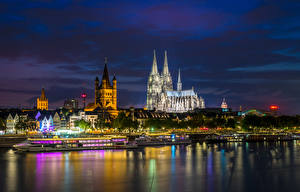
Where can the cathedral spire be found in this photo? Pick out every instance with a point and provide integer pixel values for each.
(166, 68)
(154, 66)
(179, 84)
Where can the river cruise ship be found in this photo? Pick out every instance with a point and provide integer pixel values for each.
(73, 144)
(162, 139)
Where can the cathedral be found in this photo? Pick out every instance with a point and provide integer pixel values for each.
(105, 94)
(162, 97)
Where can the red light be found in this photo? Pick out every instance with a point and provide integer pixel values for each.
(83, 95)
(274, 107)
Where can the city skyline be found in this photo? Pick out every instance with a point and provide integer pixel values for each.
(248, 54)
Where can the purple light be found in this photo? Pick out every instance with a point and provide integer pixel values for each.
(37, 116)
(118, 140)
(46, 142)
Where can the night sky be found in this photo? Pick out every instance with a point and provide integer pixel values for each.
(247, 51)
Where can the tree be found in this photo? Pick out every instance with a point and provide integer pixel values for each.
(210, 123)
(230, 123)
(82, 124)
(100, 123)
(197, 121)
(2, 124)
(123, 122)
(154, 124)
(220, 122)
(250, 122)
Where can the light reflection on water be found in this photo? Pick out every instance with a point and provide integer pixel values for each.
(197, 167)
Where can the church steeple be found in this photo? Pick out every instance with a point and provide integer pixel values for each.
(105, 76)
(166, 68)
(43, 96)
(154, 66)
(179, 84)
(42, 101)
(105, 72)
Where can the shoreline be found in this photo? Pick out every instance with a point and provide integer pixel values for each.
(9, 141)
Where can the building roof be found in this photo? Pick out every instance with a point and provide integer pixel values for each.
(183, 93)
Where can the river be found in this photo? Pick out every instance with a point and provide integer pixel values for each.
(198, 167)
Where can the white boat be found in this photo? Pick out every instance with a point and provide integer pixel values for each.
(74, 144)
(171, 139)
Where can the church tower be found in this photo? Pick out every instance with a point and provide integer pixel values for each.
(105, 89)
(167, 84)
(114, 93)
(153, 86)
(42, 101)
(105, 94)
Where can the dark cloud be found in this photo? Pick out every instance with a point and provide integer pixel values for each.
(246, 51)
(29, 92)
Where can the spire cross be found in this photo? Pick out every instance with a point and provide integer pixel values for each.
(105, 60)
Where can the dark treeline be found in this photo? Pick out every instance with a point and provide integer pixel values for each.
(270, 122)
(123, 122)
(212, 121)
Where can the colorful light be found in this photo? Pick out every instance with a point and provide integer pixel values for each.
(274, 107)
(83, 95)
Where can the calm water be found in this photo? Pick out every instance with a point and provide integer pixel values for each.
(199, 167)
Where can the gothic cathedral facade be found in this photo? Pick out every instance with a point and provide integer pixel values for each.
(162, 97)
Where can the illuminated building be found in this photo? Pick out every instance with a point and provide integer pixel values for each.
(42, 101)
(72, 119)
(224, 104)
(63, 120)
(56, 121)
(59, 121)
(162, 97)
(92, 118)
(105, 95)
(46, 124)
(11, 123)
(71, 104)
(83, 115)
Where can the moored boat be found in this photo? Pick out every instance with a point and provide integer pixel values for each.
(170, 139)
(74, 144)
